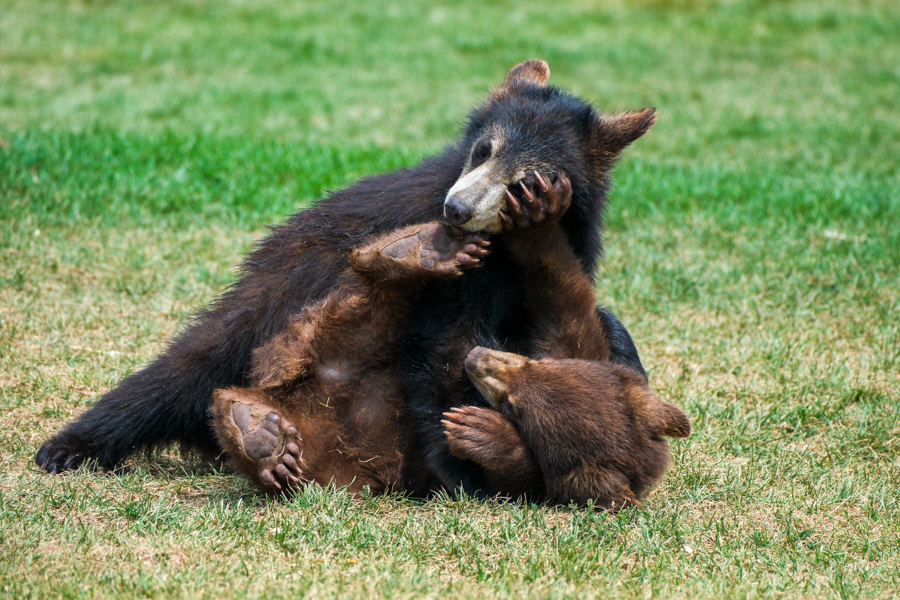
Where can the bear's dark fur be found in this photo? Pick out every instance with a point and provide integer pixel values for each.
(524, 126)
(593, 429)
(328, 403)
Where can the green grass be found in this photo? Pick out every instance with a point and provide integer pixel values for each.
(753, 252)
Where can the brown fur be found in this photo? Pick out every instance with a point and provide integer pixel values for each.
(594, 427)
(305, 259)
(332, 378)
(530, 72)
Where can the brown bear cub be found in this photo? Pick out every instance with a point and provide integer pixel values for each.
(327, 403)
(595, 428)
(568, 425)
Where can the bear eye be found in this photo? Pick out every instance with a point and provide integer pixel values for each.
(482, 151)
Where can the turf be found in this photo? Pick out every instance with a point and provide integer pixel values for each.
(753, 250)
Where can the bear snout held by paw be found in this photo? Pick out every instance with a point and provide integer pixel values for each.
(596, 430)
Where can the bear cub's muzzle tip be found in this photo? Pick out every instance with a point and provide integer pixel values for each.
(472, 359)
(456, 211)
(484, 362)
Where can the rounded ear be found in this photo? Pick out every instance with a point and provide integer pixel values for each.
(530, 72)
(614, 133)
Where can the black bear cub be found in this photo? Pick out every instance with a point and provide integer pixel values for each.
(327, 403)
(569, 425)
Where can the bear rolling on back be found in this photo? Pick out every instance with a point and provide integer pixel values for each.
(525, 125)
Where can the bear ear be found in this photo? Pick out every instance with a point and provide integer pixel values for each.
(613, 133)
(531, 72)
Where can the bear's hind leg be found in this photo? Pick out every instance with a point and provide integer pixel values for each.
(261, 442)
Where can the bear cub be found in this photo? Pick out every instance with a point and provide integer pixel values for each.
(596, 429)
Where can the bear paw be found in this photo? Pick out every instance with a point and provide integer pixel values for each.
(438, 249)
(431, 250)
(481, 435)
(272, 442)
(537, 200)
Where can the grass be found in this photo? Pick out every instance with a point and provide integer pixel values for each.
(753, 252)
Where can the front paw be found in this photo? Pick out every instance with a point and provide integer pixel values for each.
(536, 200)
(481, 435)
(64, 453)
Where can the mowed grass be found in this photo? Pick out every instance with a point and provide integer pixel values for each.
(753, 251)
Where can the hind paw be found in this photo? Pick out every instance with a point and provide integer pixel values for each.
(446, 250)
(434, 249)
(536, 200)
(273, 443)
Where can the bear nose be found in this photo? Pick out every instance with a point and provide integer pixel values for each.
(456, 211)
(473, 358)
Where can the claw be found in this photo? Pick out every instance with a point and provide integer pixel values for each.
(526, 191)
(284, 473)
(506, 222)
(72, 462)
(269, 479)
(540, 179)
(513, 203)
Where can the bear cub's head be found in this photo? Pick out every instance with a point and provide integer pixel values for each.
(526, 126)
(596, 429)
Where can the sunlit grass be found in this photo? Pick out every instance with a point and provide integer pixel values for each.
(753, 251)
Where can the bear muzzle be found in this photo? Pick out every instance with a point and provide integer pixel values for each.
(490, 370)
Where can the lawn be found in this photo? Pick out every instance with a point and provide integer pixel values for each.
(753, 251)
